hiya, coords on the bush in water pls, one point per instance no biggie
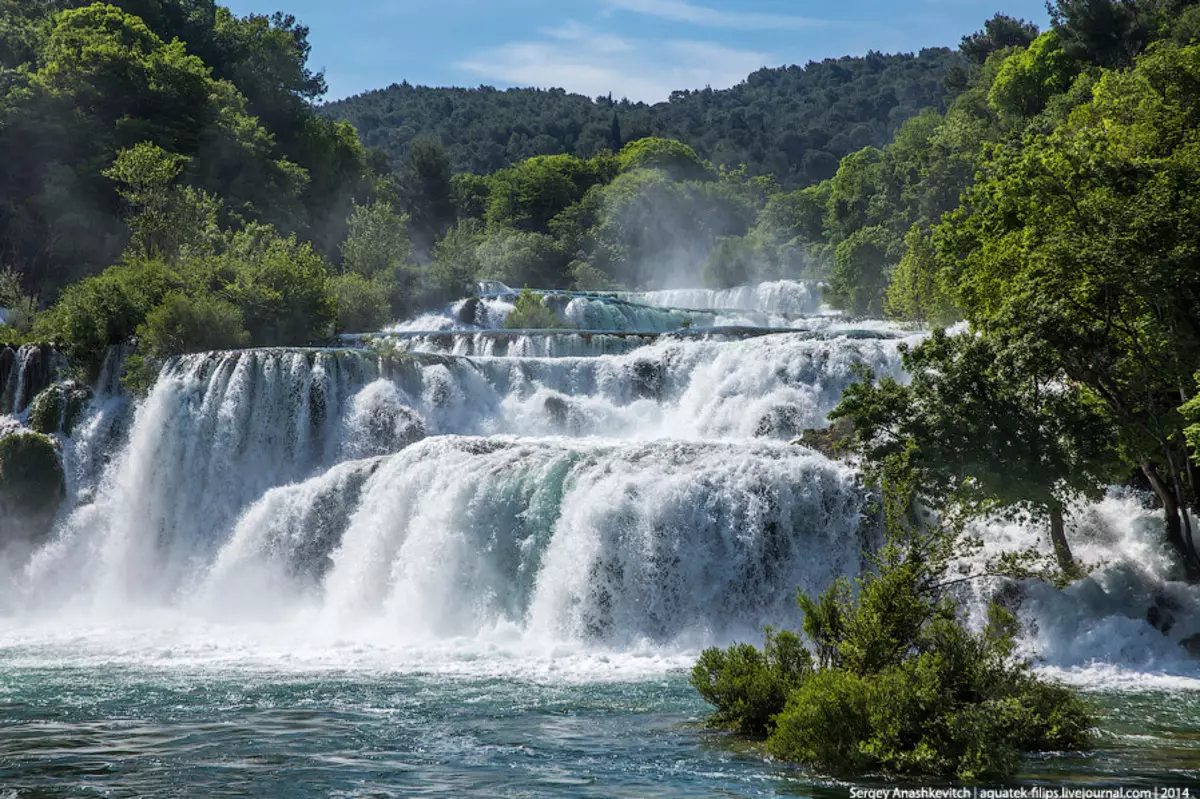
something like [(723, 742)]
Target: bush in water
[(530, 313), (898, 683)]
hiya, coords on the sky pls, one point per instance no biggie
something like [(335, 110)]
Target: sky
[(636, 49)]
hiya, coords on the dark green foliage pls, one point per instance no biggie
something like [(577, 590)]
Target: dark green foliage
[(986, 427), (225, 98), (57, 408), (793, 122), (749, 686), (899, 685), (531, 313), (45, 412), (999, 33), (180, 324)]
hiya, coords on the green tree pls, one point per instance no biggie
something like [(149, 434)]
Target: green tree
[(281, 287), (363, 305), (426, 192), (166, 220), (673, 157), (1028, 79), (1082, 237), (915, 293), (987, 428), (377, 242), (861, 272), (999, 33)]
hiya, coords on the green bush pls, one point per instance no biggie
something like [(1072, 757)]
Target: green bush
[(900, 685), (749, 686), (363, 304), (281, 286), (106, 309), (181, 324), (530, 313)]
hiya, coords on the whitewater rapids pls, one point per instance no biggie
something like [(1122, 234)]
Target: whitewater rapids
[(481, 501)]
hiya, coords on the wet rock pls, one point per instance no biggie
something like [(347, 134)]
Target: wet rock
[(648, 379), (557, 410), (1161, 615), (32, 486), (1192, 645), (832, 441), (781, 421), (468, 312)]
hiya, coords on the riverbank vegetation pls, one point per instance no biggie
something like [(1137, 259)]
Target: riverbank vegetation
[(891, 680)]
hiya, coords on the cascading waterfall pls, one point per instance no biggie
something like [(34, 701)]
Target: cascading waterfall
[(790, 298), (622, 490)]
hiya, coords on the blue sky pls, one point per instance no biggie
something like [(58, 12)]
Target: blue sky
[(640, 49)]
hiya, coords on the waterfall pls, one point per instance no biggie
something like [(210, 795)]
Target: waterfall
[(789, 298), (634, 489)]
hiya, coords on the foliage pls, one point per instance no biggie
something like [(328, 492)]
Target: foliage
[(899, 684), (362, 305), (999, 33), (184, 95), (673, 157), (377, 242), (530, 313), (1084, 237), (794, 122), (1029, 78), (984, 428), (748, 685), (860, 273), (179, 324), (281, 286), (914, 293)]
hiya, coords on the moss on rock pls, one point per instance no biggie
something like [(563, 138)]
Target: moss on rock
[(32, 486)]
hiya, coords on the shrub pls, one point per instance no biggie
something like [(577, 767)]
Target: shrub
[(181, 324), (900, 684), (749, 686), (362, 304), (281, 286), (530, 313)]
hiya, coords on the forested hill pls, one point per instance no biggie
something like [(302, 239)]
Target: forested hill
[(795, 123)]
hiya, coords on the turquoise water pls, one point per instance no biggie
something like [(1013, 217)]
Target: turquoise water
[(127, 731)]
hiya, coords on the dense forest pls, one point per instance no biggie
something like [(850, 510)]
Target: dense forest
[(794, 123)]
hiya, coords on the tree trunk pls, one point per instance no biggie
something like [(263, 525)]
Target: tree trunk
[(1174, 524), (1058, 537)]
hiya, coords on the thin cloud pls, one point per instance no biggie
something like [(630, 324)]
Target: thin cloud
[(681, 11), (595, 64)]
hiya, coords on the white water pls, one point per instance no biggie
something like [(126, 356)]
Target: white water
[(598, 513), (789, 298)]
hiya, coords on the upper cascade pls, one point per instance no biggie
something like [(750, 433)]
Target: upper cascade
[(781, 304), (788, 298)]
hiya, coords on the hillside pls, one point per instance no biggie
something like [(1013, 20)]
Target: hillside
[(793, 122)]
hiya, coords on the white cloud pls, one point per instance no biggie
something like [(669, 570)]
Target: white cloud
[(680, 11), (575, 58)]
